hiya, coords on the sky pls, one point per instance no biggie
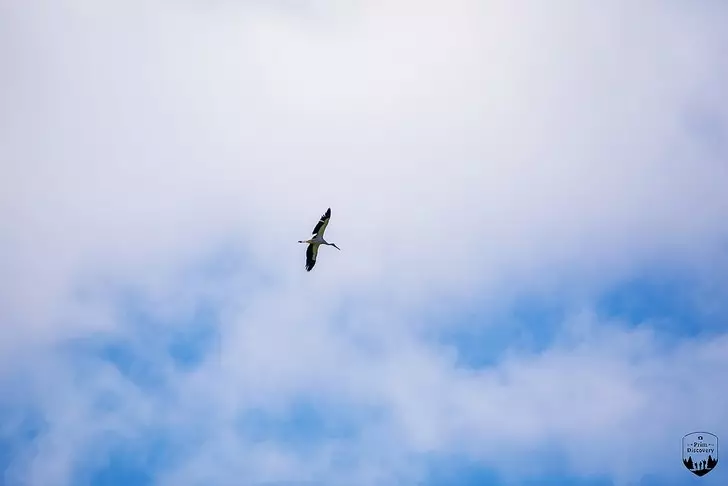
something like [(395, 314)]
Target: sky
[(530, 202)]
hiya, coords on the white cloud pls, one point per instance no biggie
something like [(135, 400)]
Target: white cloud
[(554, 148)]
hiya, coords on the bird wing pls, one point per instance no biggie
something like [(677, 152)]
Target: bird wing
[(311, 253), (322, 224)]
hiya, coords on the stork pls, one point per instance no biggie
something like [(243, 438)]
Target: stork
[(317, 240)]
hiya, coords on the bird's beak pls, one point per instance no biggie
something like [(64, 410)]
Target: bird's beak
[(337, 247)]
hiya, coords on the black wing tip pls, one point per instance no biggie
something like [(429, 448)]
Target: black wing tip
[(310, 260), (321, 221)]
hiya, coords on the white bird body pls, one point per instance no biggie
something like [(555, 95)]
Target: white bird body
[(317, 240)]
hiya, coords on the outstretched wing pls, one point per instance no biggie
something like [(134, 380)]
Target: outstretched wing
[(322, 224), (311, 253)]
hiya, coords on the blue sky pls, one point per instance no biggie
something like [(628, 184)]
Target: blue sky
[(530, 203), (309, 421)]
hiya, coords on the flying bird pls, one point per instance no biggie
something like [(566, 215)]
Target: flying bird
[(317, 240)]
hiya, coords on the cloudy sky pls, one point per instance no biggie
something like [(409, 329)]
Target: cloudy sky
[(531, 199)]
